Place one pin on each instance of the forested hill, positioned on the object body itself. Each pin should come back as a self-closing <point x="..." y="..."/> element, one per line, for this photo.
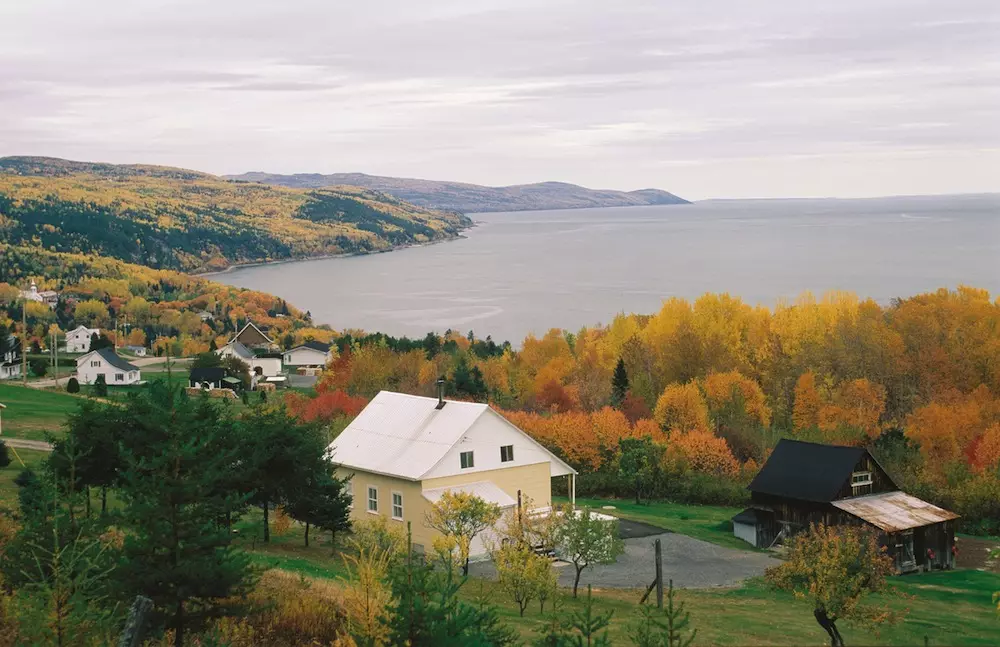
<point x="185" y="220"/>
<point x="468" y="198"/>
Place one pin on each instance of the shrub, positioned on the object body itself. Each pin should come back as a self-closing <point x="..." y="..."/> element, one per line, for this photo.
<point x="4" y="454"/>
<point x="39" y="367"/>
<point x="100" y="387"/>
<point x="73" y="386"/>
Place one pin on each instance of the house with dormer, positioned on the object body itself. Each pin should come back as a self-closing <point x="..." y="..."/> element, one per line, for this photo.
<point x="403" y="452"/>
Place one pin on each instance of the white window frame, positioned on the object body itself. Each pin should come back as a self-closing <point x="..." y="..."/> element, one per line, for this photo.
<point x="510" y="457"/>
<point x="472" y="459"/>
<point x="368" y="506"/>
<point x="859" y="479"/>
<point x="119" y="377"/>
<point x="95" y="363"/>
<point x="399" y="517"/>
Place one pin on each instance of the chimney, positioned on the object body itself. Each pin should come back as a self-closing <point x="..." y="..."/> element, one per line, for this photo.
<point x="440" y="385"/>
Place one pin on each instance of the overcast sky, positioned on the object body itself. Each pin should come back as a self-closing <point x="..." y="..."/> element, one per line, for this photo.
<point x="700" y="97"/>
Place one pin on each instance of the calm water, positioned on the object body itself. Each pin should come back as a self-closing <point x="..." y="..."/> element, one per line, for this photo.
<point x="530" y="271"/>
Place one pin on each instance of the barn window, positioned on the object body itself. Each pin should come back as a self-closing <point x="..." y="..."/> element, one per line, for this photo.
<point x="372" y="499"/>
<point x="506" y="453"/>
<point x="397" y="506"/>
<point x="861" y="483"/>
<point x="467" y="460"/>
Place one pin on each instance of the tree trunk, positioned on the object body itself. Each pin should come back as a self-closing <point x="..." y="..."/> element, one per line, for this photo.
<point x="307" y="534"/>
<point x="576" y="581"/>
<point x="86" y="491"/>
<point x="104" y="500"/>
<point x="179" y="625"/>
<point x="830" y="627"/>
<point x="465" y="568"/>
<point x="267" y="526"/>
<point x="333" y="542"/>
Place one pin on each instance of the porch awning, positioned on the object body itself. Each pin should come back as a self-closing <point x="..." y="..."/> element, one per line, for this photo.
<point x="894" y="511"/>
<point x="485" y="490"/>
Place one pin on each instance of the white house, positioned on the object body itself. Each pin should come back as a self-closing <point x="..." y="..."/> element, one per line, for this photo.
<point x="106" y="362"/>
<point x="403" y="452"/>
<point x="312" y="354"/>
<point x="10" y="359"/>
<point x="78" y="339"/>
<point x="259" y="366"/>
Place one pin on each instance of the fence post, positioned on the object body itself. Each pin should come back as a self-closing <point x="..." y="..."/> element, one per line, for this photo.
<point x="135" y="625"/>
<point x="659" y="575"/>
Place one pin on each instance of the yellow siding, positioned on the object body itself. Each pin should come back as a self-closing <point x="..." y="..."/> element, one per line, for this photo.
<point x="532" y="480"/>
<point x="414" y="504"/>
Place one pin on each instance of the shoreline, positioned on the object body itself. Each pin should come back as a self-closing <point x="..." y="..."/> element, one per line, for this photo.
<point x="282" y="261"/>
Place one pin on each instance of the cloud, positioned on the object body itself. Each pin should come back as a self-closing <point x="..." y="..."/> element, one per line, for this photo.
<point x="696" y="98"/>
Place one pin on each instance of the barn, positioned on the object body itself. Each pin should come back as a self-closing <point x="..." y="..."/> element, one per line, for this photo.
<point x="805" y="483"/>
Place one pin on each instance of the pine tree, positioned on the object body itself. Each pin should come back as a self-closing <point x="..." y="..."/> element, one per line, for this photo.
<point x="321" y="502"/>
<point x="100" y="387"/>
<point x="4" y="455"/>
<point x="666" y="628"/>
<point x="178" y="453"/>
<point x="619" y="384"/>
<point x="589" y="625"/>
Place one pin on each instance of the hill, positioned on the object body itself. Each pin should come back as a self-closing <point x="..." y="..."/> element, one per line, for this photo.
<point x="468" y="198"/>
<point x="171" y="218"/>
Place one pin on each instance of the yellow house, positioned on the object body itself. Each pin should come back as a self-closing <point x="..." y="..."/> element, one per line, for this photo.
<point x="404" y="451"/>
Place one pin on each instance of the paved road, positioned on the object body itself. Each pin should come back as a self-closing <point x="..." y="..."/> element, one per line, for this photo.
<point x="20" y="443"/>
<point x="691" y="563"/>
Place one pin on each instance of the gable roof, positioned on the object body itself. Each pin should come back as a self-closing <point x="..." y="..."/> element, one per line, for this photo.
<point x="807" y="471"/>
<point x="254" y="328"/>
<point x="109" y="356"/>
<point x="407" y="435"/>
<point x="83" y="329"/>
<point x="894" y="511"/>
<point x="238" y="349"/>
<point x="312" y="345"/>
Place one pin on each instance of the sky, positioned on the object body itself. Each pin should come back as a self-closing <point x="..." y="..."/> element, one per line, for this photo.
<point x="704" y="98"/>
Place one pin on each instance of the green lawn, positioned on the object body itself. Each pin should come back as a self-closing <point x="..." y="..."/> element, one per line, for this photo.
<point x="31" y="413"/>
<point x="708" y="523"/>
<point x="8" y="489"/>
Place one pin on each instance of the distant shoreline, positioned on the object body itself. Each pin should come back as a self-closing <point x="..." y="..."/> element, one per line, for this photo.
<point x="319" y="257"/>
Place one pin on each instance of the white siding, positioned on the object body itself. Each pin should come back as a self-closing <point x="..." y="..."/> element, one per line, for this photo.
<point x="271" y="366"/>
<point x="305" y="357"/>
<point x="746" y="532"/>
<point x="485" y="438"/>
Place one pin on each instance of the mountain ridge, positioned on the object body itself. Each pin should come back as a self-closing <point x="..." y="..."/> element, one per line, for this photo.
<point x="464" y="197"/>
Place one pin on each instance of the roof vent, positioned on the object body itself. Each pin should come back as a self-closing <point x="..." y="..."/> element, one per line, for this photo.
<point x="441" y="402"/>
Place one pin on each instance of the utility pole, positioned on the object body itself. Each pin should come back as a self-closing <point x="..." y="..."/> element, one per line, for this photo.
<point x="24" y="340"/>
<point x="55" y="354"/>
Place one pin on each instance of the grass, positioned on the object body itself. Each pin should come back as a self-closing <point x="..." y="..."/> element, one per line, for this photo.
<point x="708" y="523"/>
<point x="8" y="489"/>
<point x="33" y="413"/>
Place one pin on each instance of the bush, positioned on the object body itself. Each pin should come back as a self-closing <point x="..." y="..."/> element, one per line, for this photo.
<point x="73" y="386"/>
<point x="4" y="454"/>
<point x="39" y="367"/>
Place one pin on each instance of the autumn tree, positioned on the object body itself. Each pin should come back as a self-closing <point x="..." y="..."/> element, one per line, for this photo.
<point x="837" y="569"/>
<point x="521" y="573"/>
<point x="463" y="516"/>
<point x="681" y="407"/>
<point x="92" y="313"/>
<point x="585" y="538"/>
<point x="805" y="414"/>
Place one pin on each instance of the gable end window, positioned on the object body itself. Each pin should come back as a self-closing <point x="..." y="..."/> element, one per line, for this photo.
<point x="95" y="363"/>
<point x="506" y="453"/>
<point x="861" y="478"/>
<point x="467" y="460"/>
<point x="372" y="499"/>
<point x="397" y="506"/>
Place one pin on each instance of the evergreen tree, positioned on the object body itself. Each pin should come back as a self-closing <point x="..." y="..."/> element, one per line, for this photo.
<point x="619" y="384"/>
<point x="323" y="503"/>
<point x="178" y="457"/>
<point x="100" y="388"/>
<point x="592" y="628"/>
<point x="96" y="429"/>
<point x="98" y="342"/>
<point x="73" y="385"/>
<point x="4" y="455"/>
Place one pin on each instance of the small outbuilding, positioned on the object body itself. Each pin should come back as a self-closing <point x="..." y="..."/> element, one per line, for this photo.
<point x="311" y="354"/>
<point x="808" y="483"/>
<point x="207" y="377"/>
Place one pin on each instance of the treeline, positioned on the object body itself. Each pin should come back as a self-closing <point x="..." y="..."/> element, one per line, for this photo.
<point x="174" y="219"/>
<point x="716" y="382"/>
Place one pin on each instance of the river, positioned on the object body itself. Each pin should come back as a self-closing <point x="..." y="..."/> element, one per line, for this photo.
<point x="522" y="272"/>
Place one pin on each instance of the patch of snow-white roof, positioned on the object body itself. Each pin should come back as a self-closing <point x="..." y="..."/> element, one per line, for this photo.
<point x="485" y="490"/>
<point x="403" y="435"/>
<point x="894" y="511"/>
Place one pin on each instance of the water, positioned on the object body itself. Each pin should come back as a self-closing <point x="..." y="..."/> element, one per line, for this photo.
<point x="530" y="271"/>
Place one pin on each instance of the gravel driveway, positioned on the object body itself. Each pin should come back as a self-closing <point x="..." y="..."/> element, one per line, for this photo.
<point x="691" y="563"/>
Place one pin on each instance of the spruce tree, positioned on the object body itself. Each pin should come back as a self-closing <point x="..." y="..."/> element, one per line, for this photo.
<point x="4" y="455"/>
<point x="619" y="384"/>
<point x="178" y="455"/>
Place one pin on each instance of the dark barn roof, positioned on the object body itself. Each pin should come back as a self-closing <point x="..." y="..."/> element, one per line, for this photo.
<point x="807" y="471"/>
<point x="315" y="345"/>
<point x="207" y="374"/>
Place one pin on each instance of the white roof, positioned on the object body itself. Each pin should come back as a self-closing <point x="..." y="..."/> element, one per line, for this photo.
<point x="403" y="435"/>
<point x="894" y="511"/>
<point x="485" y="490"/>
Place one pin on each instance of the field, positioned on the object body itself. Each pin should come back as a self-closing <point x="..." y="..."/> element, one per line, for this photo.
<point x="33" y="413"/>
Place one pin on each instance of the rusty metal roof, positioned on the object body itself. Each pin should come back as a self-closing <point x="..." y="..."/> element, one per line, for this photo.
<point x="894" y="511"/>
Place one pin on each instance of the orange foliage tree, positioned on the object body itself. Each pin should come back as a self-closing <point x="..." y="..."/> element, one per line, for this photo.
<point x="681" y="408"/>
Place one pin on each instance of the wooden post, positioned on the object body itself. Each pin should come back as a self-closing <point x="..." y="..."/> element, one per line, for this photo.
<point x="134" y="626"/>
<point x="659" y="575"/>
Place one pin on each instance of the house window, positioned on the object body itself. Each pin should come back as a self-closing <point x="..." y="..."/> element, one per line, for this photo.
<point x="506" y="453"/>
<point x="119" y="377"/>
<point x="95" y="363"/>
<point x="467" y="461"/>
<point x="372" y="499"/>
<point x="349" y="487"/>
<point x="397" y="506"/>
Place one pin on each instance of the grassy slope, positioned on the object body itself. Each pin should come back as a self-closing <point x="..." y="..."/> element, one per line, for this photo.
<point x="708" y="523"/>
<point x="31" y="413"/>
<point x="8" y="490"/>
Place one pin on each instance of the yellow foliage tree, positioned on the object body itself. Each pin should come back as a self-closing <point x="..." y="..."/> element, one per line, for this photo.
<point x="681" y="408"/>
